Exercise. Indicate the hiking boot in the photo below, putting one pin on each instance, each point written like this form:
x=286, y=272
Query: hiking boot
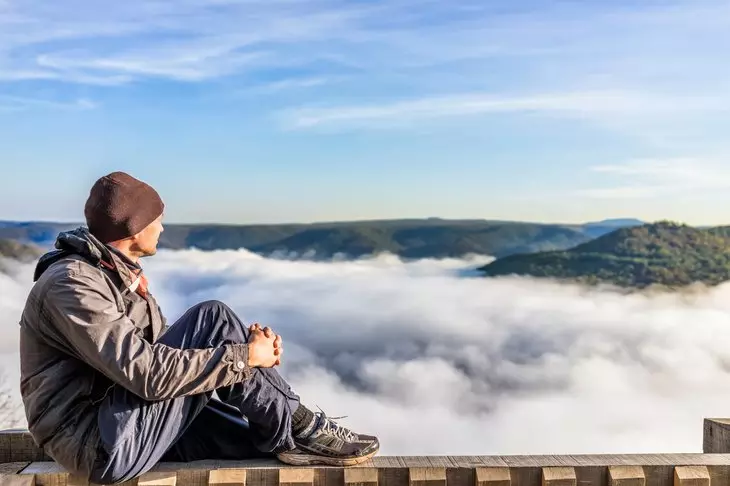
x=330, y=444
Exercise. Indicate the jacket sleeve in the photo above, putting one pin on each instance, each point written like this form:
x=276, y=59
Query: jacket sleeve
x=82, y=307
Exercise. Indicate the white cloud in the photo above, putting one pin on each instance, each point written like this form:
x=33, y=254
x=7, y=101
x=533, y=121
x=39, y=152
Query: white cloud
x=188, y=41
x=625, y=192
x=598, y=104
x=415, y=52
x=290, y=84
x=15, y=103
x=14, y=287
x=569, y=43
x=662, y=177
x=414, y=351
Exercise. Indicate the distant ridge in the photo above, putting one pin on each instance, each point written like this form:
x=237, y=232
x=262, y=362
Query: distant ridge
x=617, y=223
x=15, y=250
x=665, y=254
x=408, y=238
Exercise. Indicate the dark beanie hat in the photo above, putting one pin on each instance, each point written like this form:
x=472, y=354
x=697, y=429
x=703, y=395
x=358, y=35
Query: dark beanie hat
x=120, y=206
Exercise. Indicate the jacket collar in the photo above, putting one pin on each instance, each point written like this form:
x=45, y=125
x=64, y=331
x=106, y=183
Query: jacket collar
x=81, y=242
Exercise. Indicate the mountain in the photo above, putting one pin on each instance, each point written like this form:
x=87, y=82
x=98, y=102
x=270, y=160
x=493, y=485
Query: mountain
x=18, y=251
x=616, y=223
x=14, y=250
x=37, y=232
x=409, y=238
x=665, y=254
x=599, y=228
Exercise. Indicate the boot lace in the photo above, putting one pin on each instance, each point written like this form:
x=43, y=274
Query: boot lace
x=329, y=426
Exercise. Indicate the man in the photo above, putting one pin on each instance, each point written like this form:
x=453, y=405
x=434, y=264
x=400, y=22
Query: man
x=109, y=390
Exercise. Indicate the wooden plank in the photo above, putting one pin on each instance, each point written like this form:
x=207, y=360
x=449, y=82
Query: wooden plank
x=716, y=436
x=538, y=461
x=559, y=476
x=383, y=462
x=439, y=461
x=4, y=446
x=459, y=476
x=691, y=476
x=427, y=476
x=12, y=467
x=626, y=476
x=9, y=476
x=262, y=477
x=291, y=476
x=75, y=480
x=193, y=473
x=193, y=477
x=227, y=477
x=719, y=475
x=692, y=459
x=250, y=464
x=17, y=480
x=416, y=461
x=492, y=476
x=425, y=461
x=660, y=459
x=526, y=476
x=591, y=475
x=361, y=476
x=659, y=475
x=23, y=448
x=332, y=476
x=47, y=473
x=328, y=476
x=402, y=463
x=158, y=478
x=393, y=475
x=476, y=461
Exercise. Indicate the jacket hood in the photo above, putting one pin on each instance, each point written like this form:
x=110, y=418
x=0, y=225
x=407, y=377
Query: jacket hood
x=75, y=242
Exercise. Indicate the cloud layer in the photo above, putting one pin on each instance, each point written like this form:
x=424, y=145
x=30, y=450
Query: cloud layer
x=435, y=361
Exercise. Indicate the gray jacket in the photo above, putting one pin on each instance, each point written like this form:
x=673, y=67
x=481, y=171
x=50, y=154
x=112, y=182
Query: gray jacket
x=84, y=330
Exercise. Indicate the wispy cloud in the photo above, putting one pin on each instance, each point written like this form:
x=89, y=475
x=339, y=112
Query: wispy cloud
x=415, y=60
x=189, y=41
x=645, y=178
x=294, y=83
x=575, y=104
x=178, y=64
x=13, y=103
x=577, y=41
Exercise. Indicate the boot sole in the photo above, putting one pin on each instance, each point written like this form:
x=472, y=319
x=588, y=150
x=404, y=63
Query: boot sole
x=305, y=459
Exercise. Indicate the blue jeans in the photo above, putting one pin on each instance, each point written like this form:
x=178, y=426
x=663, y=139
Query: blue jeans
x=251, y=419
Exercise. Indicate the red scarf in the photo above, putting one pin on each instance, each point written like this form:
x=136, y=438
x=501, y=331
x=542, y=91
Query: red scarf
x=143, y=282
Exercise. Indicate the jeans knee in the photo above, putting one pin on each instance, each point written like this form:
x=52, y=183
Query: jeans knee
x=214, y=306
x=223, y=316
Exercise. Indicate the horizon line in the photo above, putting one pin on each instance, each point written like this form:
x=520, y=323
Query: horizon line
x=364, y=220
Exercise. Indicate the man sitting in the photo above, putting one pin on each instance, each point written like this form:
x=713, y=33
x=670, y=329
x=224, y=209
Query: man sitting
x=109, y=390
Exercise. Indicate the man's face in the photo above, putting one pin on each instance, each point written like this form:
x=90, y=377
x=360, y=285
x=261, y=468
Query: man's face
x=145, y=242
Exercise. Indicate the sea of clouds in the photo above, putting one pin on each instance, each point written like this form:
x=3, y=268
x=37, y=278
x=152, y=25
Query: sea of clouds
x=435, y=360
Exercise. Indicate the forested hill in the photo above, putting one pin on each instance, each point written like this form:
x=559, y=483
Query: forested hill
x=14, y=250
x=664, y=253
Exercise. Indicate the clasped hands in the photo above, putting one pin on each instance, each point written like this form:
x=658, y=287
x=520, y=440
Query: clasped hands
x=264, y=347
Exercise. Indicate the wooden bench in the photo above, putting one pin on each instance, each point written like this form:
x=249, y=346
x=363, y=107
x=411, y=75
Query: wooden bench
x=21, y=464
x=594, y=470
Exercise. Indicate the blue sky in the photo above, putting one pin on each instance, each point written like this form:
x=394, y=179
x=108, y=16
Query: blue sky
x=247, y=111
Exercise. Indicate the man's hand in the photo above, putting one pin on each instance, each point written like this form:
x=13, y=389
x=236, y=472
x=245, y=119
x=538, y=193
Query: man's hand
x=264, y=347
